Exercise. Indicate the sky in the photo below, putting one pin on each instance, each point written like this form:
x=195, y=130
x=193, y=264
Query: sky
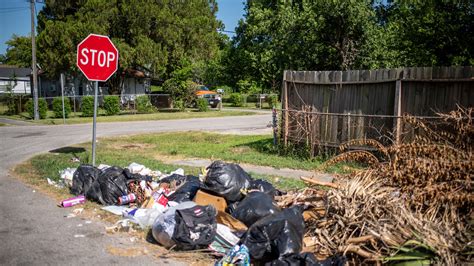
x=15, y=17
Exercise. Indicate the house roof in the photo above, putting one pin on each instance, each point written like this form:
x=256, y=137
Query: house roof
x=8, y=71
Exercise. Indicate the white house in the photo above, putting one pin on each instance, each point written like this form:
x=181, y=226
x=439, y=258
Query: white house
x=16, y=78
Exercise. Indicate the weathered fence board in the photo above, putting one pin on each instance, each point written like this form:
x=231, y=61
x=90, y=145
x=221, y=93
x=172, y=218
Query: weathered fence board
x=356, y=104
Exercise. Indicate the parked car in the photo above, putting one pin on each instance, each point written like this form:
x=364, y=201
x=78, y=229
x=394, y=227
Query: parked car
x=212, y=99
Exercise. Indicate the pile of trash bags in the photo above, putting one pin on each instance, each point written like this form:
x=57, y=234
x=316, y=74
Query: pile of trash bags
x=223, y=210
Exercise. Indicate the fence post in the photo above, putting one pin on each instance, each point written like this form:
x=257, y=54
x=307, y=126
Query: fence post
x=74, y=101
x=348, y=126
x=285, y=107
x=275, y=126
x=397, y=112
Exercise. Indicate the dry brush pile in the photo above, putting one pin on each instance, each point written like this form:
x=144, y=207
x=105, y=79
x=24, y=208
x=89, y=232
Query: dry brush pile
x=415, y=200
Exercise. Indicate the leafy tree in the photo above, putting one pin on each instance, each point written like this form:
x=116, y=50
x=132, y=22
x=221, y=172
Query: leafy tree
x=427, y=33
x=303, y=34
x=340, y=34
x=18, y=52
x=154, y=36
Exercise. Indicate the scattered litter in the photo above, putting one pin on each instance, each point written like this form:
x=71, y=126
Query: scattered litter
x=127, y=252
x=34, y=191
x=136, y=168
x=238, y=255
x=71, y=215
x=143, y=217
x=117, y=210
x=78, y=211
x=88, y=222
x=79, y=236
x=79, y=225
x=51, y=182
x=67, y=175
x=120, y=226
x=75, y=160
x=224, y=240
x=73, y=201
x=103, y=166
x=178, y=171
x=133, y=239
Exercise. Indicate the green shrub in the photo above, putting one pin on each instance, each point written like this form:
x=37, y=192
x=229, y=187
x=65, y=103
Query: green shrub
x=179, y=104
x=87, y=106
x=15, y=103
x=253, y=98
x=42, y=108
x=144, y=105
x=58, y=107
x=112, y=105
x=237, y=99
x=202, y=105
x=272, y=100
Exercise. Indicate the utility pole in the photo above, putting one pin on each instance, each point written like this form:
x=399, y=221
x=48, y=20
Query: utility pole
x=33, y=52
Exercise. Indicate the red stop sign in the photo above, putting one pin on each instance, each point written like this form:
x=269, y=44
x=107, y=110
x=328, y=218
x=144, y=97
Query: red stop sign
x=97, y=57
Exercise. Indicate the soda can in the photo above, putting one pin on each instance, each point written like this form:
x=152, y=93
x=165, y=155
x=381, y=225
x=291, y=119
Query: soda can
x=73, y=201
x=127, y=199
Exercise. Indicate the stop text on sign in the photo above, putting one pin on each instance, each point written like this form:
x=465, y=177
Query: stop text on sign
x=102, y=58
x=97, y=57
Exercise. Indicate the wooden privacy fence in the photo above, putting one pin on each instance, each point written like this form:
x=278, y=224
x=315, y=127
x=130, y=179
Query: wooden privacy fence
x=327, y=108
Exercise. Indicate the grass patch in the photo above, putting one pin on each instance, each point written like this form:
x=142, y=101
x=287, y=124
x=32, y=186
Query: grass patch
x=75, y=118
x=253, y=149
x=154, y=151
x=2, y=124
x=48, y=165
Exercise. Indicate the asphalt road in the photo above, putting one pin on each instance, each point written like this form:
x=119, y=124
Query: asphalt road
x=33, y=230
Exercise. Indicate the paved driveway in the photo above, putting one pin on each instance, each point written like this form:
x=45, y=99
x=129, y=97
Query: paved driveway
x=34, y=231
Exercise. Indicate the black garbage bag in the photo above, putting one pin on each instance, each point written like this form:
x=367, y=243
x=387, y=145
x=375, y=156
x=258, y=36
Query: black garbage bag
x=253, y=207
x=195, y=227
x=226, y=180
x=113, y=184
x=265, y=187
x=231, y=207
x=307, y=259
x=94, y=193
x=136, y=177
x=83, y=178
x=186, y=191
x=276, y=236
x=178, y=179
x=108, y=187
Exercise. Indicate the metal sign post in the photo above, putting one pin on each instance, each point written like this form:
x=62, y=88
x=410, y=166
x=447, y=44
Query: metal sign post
x=97, y=58
x=96, y=88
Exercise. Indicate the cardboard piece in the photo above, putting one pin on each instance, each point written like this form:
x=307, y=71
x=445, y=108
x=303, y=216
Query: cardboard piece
x=203, y=198
x=226, y=219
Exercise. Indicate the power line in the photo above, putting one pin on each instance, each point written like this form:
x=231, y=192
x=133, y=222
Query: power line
x=227, y=31
x=12, y=11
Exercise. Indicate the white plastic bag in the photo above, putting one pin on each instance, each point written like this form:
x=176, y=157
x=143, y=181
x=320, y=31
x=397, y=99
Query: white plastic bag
x=164, y=224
